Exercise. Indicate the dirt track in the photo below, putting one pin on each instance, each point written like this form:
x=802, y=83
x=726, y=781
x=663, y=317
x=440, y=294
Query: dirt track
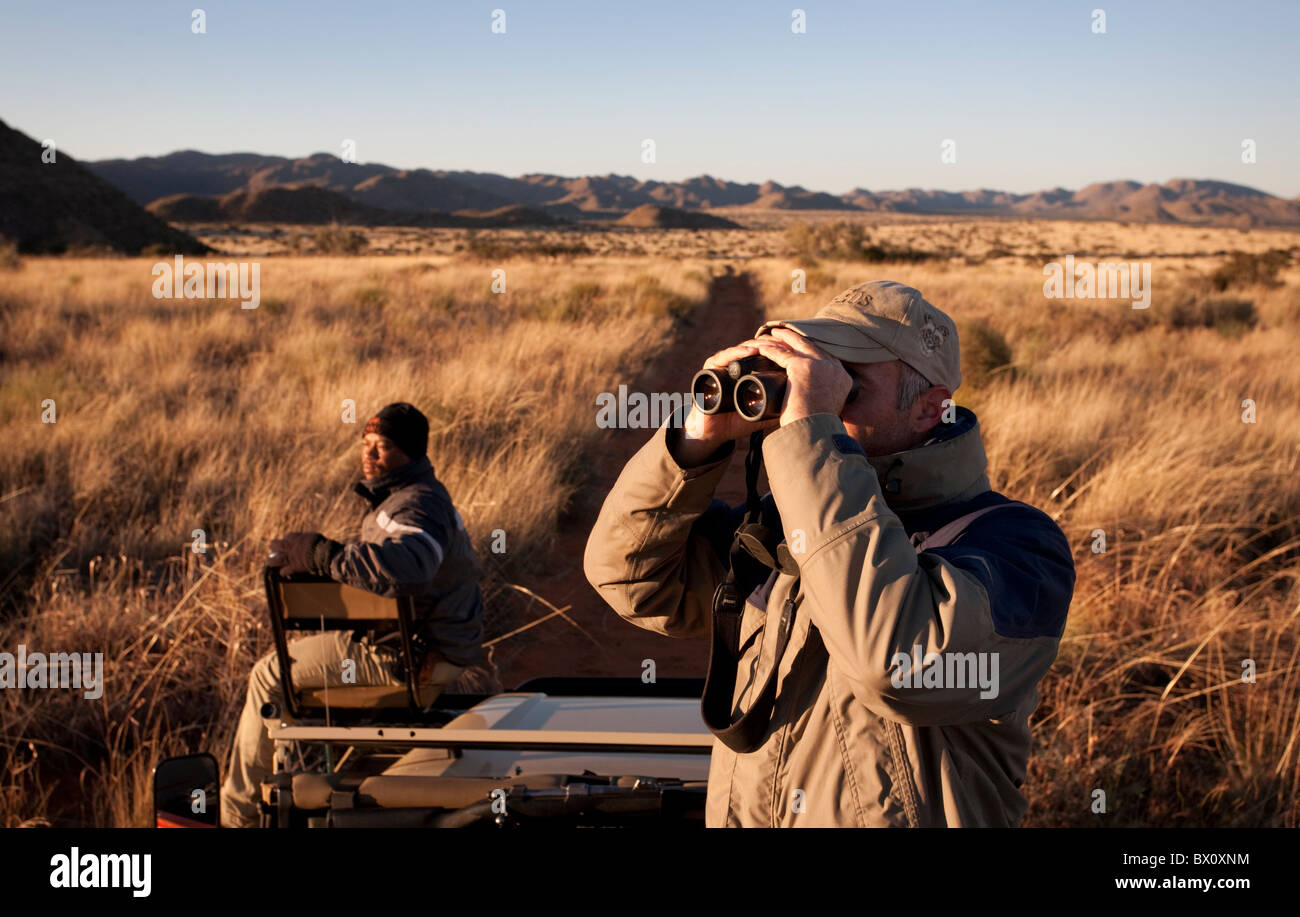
x=615, y=647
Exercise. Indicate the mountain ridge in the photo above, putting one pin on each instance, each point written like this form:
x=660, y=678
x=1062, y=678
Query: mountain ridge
x=611, y=196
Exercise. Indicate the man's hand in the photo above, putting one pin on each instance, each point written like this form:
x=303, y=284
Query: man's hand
x=817, y=383
x=704, y=434
x=295, y=548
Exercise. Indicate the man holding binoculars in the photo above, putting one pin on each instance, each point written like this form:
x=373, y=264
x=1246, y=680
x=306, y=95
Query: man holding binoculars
x=880, y=621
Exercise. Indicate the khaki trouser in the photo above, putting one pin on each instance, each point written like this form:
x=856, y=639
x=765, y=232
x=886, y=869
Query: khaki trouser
x=317, y=662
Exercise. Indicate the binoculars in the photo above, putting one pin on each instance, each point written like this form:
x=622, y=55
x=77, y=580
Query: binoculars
x=753, y=387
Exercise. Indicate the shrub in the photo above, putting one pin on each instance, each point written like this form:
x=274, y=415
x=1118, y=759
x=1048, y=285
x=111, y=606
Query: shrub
x=1243, y=270
x=485, y=248
x=984, y=352
x=371, y=297
x=819, y=278
x=557, y=249
x=497, y=248
x=10, y=260
x=841, y=240
x=1227, y=316
x=571, y=304
x=878, y=253
x=647, y=294
x=338, y=240
x=441, y=300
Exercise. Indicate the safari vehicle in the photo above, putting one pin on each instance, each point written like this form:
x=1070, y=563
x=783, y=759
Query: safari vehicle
x=555, y=751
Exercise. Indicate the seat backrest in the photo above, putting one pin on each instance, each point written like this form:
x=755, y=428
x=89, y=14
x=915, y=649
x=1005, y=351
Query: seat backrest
x=315, y=603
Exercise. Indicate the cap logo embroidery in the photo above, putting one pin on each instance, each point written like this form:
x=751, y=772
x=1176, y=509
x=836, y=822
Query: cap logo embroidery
x=932, y=336
x=854, y=297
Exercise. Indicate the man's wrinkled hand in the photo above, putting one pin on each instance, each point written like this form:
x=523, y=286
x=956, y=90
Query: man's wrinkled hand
x=816, y=383
x=703, y=434
x=295, y=548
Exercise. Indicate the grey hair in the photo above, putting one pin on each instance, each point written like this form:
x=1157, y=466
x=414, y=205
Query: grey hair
x=911, y=386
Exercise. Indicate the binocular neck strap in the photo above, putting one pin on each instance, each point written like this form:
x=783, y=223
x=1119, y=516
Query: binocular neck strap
x=744, y=575
x=753, y=464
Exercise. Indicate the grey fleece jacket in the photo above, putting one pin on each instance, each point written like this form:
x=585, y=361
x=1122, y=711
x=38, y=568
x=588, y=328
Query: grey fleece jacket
x=414, y=543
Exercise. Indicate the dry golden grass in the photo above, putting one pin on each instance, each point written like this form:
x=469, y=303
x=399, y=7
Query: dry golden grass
x=174, y=416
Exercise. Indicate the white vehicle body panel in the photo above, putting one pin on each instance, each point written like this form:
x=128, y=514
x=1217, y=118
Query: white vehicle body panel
x=514, y=719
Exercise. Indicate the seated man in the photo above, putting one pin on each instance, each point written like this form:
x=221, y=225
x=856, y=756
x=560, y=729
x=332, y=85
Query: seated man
x=413, y=542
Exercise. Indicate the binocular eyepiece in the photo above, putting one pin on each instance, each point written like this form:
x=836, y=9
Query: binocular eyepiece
x=753, y=387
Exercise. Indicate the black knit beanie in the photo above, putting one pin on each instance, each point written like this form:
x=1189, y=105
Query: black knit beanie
x=404, y=425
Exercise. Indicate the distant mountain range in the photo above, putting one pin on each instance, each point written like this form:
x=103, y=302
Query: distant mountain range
x=127, y=204
x=377, y=187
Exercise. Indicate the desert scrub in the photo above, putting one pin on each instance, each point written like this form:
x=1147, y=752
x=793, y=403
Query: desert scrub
x=576, y=302
x=371, y=297
x=1226, y=315
x=10, y=260
x=985, y=352
x=441, y=300
x=841, y=240
x=647, y=294
x=1243, y=269
x=488, y=247
x=339, y=240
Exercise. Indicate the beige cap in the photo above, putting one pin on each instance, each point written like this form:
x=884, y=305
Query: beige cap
x=881, y=321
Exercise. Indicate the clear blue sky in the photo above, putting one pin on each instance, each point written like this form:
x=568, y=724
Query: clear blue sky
x=1031, y=96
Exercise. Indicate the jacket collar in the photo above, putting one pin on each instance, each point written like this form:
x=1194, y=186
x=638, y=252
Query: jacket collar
x=947, y=468
x=377, y=491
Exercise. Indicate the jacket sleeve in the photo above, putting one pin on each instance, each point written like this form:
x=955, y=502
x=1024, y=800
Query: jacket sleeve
x=653, y=553
x=403, y=563
x=882, y=609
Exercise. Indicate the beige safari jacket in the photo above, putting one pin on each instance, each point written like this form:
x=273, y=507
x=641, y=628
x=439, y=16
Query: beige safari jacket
x=880, y=717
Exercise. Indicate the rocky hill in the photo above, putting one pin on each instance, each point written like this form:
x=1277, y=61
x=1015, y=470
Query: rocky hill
x=652, y=216
x=56, y=206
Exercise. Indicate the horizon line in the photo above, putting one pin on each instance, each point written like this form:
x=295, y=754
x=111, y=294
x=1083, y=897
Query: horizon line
x=671, y=181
